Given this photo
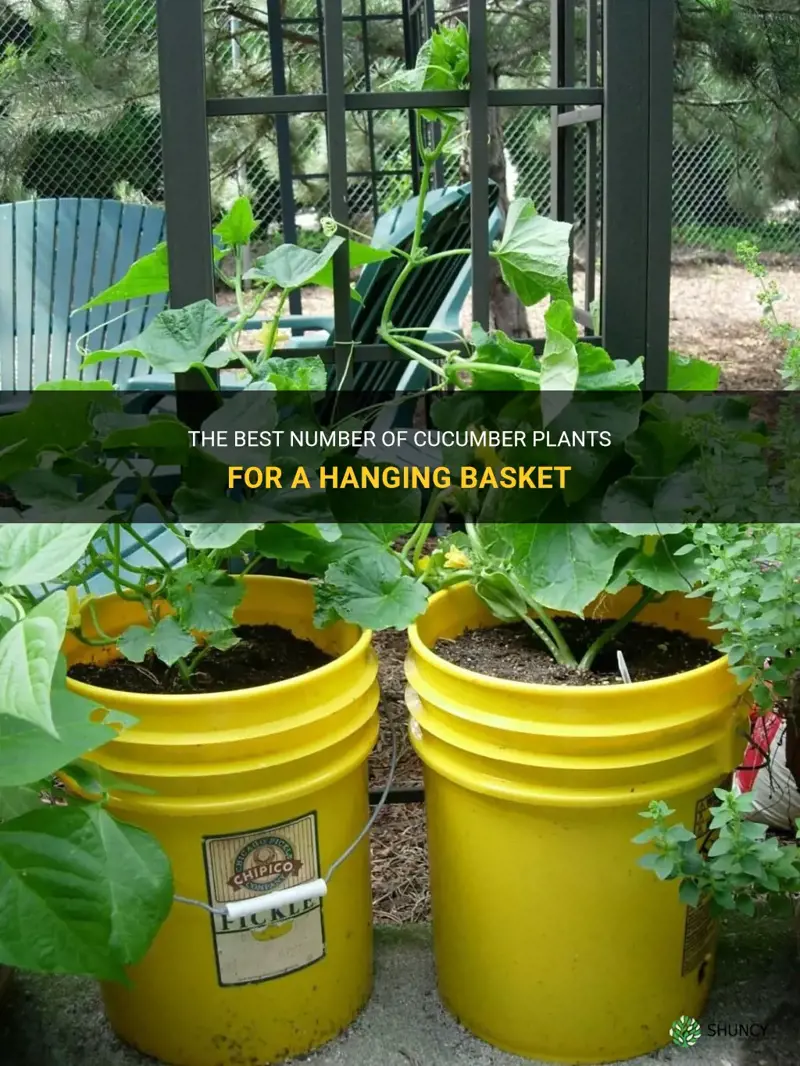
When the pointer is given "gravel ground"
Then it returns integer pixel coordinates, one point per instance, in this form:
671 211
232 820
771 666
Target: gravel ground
714 314
59 1021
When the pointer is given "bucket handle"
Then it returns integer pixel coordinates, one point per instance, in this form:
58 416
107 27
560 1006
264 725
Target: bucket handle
307 890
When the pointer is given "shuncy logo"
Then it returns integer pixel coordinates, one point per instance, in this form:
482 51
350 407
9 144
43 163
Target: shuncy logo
685 1032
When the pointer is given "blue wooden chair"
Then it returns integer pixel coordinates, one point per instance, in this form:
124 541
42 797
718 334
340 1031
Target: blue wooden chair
54 256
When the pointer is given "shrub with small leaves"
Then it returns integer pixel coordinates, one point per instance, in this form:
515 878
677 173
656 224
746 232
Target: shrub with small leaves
752 576
740 865
784 333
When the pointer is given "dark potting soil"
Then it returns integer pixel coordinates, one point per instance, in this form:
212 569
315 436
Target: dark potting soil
514 653
264 654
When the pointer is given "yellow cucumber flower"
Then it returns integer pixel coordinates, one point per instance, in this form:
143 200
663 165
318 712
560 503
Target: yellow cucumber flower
456 559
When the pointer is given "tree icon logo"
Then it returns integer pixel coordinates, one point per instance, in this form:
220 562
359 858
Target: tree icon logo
685 1032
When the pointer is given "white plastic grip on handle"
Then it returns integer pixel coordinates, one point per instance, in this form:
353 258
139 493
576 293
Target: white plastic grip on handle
284 897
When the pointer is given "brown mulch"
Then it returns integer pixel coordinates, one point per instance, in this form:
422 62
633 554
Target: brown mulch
398 841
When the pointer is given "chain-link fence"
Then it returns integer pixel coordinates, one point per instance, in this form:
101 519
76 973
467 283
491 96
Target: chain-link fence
79 116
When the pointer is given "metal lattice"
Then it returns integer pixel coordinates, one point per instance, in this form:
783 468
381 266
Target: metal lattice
88 124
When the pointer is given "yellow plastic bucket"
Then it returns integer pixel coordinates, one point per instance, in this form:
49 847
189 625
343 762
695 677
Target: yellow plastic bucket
273 773
551 941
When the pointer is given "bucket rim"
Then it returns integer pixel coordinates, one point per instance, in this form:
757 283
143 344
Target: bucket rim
361 647
531 688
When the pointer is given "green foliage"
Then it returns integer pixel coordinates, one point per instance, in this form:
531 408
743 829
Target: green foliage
752 575
377 588
687 374
783 333
737 78
80 893
41 553
442 65
148 276
534 254
740 867
238 226
175 341
29 651
290 267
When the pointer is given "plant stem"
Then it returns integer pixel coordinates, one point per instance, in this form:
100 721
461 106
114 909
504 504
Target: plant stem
409 352
420 534
145 544
104 639
449 254
248 364
543 635
426 329
240 301
428 160
209 380
134 592
269 343
424 531
514 371
455 578
612 631
425 345
474 538
361 237
565 655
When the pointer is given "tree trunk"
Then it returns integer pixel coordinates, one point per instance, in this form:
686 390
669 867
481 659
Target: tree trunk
506 310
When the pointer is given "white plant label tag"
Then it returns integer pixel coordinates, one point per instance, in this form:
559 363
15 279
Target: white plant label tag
246 866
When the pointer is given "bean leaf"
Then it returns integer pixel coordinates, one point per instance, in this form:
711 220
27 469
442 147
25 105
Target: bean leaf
80 893
28 655
28 754
32 554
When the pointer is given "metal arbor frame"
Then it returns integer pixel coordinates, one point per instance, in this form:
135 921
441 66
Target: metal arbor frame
629 108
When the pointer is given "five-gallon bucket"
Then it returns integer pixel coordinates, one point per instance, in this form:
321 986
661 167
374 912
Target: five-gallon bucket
550 940
253 791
